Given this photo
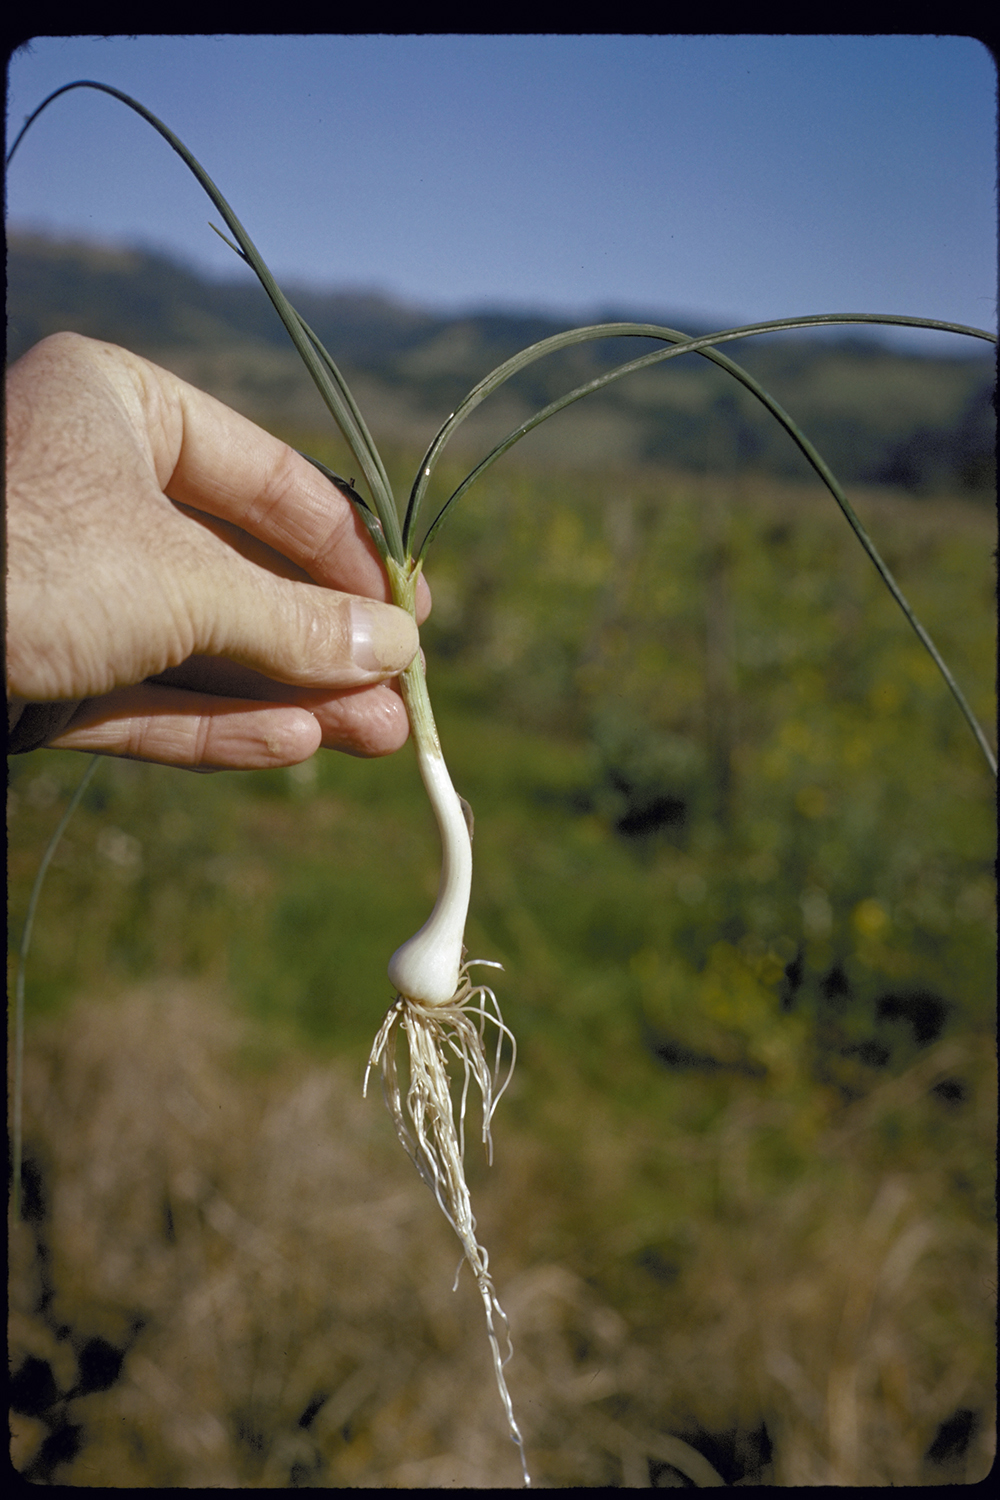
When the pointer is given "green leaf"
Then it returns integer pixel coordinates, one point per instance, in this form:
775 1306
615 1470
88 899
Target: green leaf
328 379
682 344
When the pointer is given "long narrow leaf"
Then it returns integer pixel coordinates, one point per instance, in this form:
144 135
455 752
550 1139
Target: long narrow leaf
338 398
321 367
22 965
349 401
364 510
681 344
700 345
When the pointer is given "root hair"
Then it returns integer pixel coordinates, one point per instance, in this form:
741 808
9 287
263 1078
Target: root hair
432 1132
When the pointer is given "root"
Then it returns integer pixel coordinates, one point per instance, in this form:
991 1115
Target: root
427 1126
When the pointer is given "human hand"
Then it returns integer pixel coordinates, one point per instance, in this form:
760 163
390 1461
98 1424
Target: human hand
183 587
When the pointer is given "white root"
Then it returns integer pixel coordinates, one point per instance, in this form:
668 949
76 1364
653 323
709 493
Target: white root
428 1128
444 1016
426 967
426 1123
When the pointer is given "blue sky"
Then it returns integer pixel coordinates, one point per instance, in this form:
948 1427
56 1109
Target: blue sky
727 178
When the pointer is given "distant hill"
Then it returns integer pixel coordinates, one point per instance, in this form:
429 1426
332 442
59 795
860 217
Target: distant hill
877 415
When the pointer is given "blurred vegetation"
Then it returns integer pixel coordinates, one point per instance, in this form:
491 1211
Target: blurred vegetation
877 414
734 847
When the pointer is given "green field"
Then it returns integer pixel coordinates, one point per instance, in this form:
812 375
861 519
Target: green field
734 848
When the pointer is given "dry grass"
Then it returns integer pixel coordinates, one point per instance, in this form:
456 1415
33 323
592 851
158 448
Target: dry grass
246 1231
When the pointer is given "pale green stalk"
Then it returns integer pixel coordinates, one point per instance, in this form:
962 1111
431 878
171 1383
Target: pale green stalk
22 962
437 1008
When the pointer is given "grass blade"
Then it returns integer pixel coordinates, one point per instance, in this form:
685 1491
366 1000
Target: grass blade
700 345
361 505
682 344
321 367
22 962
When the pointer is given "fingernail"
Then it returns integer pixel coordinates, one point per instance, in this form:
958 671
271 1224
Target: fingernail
384 638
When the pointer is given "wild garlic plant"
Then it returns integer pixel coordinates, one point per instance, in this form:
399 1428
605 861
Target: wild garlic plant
450 1022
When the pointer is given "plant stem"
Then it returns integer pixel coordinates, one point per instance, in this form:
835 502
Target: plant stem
22 963
426 967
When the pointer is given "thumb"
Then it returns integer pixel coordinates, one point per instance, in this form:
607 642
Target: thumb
299 632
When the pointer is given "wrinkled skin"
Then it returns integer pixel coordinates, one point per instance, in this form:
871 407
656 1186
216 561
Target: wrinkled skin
186 587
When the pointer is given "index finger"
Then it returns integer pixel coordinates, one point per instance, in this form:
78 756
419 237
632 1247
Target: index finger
216 461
